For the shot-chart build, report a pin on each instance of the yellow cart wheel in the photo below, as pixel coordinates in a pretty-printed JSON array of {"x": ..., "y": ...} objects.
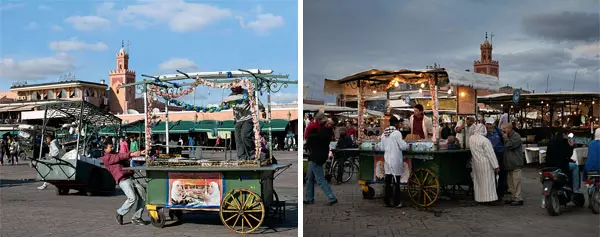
[
  {"x": 423, "y": 187},
  {"x": 159, "y": 219},
  {"x": 242, "y": 211}
]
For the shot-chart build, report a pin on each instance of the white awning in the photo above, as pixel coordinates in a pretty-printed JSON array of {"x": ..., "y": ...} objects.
[{"x": 39, "y": 114}]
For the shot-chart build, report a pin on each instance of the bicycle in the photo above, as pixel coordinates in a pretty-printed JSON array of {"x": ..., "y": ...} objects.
[
  {"x": 593, "y": 184},
  {"x": 349, "y": 167}
]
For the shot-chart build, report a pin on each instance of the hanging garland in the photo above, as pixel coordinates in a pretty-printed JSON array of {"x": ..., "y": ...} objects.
[
  {"x": 202, "y": 82},
  {"x": 208, "y": 108}
]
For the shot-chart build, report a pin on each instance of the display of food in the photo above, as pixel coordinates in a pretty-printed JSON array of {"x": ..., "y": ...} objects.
[{"x": 202, "y": 163}]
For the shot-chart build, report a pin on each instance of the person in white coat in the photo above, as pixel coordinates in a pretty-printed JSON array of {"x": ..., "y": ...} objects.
[
  {"x": 485, "y": 166},
  {"x": 464, "y": 130},
  {"x": 393, "y": 145}
]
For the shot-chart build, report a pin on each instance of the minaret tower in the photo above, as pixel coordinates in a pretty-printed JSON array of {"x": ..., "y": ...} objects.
[
  {"x": 121, "y": 98},
  {"x": 486, "y": 65}
]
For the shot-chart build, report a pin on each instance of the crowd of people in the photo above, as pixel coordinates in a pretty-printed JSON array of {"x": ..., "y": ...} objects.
[
  {"x": 497, "y": 154},
  {"x": 9, "y": 149}
]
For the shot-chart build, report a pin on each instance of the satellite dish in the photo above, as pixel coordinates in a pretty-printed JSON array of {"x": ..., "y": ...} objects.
[
  {"x": 156, "y": 110},
  {"x": 132, "y": 111}
]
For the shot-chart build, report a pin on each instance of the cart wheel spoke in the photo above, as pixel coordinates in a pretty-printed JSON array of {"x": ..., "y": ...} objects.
[
  {"x": 231, "y": 217},
  {"x": 247, "y": 221},
  {"x": 236, "y": 220},
  {"x": 253, "y": 217},
  {"x": 230, "y": 211}
]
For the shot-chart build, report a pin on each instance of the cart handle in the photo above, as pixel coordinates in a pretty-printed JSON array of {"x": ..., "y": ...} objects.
[{"x": 279, "y": 170}]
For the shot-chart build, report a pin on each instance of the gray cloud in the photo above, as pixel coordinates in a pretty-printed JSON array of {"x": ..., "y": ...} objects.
[
  {"x": 564, "y": 26},
  {"x": 342, "y": 39}
]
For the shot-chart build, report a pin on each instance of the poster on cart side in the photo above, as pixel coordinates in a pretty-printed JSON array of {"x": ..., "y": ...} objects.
[
  {"x": 406, "y": 168},
  {"x": 195, "y": 190},
  {"x": 379, "y": 171}
]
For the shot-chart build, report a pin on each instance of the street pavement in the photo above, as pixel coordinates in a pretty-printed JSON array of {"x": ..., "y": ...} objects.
[
  {"x": 27, "y": 211},
  {"x": 354, "y": 216}
]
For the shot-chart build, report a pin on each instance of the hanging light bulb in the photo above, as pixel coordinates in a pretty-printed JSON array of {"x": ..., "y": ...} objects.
[
  {"x": 547, "y": 105},
  {"x": 449, "y": 91},
  {"x": 374, "y": 91},
  {"x": 527, "y": 104},
  {"x": 542, "y": 102},
  {"x": 501, "y": 105},
  {"x": 422, "y": 85},
  {"x": 593, "y": 102},
  {"x": 511, "y": 106},
  {"x": 579, "y": 103},
  {"x": 421, "y": 91},
  {"x": 396, "y": 84}
]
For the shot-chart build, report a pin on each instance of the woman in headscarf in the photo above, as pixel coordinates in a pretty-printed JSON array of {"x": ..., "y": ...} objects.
[
  {"x": 177, "y": 193},
  {"x": 213, "y": 196},
  {"x": 484, "y": 165},
  {"x": 593, "y": 160}
]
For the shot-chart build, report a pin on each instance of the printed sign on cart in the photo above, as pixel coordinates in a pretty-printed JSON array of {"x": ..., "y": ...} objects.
[
  {"x": 195, "y": 190},
  {"x": 379, "y": 171}
]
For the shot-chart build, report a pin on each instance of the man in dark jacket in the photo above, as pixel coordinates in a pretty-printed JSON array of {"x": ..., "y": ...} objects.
[
  {"x": 559, "y": 154},
  {"x": 513, "y": 163},
  {"x": 318, "y": 146},
  {"x": 115, "y": 163}
]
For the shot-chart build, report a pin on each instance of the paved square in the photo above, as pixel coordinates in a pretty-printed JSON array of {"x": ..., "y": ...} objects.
[
  {"x": 27, "y": 211},
  {"x": 354, "y": 216}
]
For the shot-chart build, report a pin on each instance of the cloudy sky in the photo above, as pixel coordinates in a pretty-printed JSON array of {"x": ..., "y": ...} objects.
[
  {"x": 533, "y": 39},
  {"x": 42, "y": 40}
]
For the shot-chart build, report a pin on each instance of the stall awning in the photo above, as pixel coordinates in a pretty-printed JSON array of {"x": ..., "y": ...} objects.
[
  {"x": 376, "y": 77},
  {"x": 108, "y": 130},
  {"x": 227, "y": 126},
  {"x": 209, "y": 126},
  {"x": 175, "y": 127},
  {"x": 13, "y": 133},
  {"x": 277, "y": 125},
  {"x": 136, "y": 127}
]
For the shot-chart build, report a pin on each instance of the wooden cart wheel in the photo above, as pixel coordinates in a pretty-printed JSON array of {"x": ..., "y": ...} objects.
[
  {"x": 242, "y": 211},
  {"x": 160, "y": 222},
  {"x": 423, "y": 187}
]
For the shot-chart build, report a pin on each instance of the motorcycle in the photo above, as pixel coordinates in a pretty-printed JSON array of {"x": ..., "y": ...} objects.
[{"x": 557, "y": 191}]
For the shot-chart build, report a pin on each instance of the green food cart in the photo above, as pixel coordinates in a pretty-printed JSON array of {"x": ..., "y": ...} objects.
[
  {"x": 427, "y": 172},
  {"x": 243, "y": 195}
]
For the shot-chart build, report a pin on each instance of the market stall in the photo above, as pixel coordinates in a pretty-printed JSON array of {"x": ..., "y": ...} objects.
[
  {"x": 429, "y": 165},
  {"x": 538, "y": 116},
  {"x": 240, "y": 190},
  {"x": 79, "y": 166}
]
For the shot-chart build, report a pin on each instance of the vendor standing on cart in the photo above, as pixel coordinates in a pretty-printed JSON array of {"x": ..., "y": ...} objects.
[
  {"x": 420, "y": 124},
  {"x": 244, "y": 127},
  {"x": 115, "y": 163}
]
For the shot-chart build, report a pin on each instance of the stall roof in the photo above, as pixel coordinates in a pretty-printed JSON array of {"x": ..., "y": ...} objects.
[
  {"x": 277, "y": 125},
  {"x": 206, "y": 126},
  {"x": 89, "y": 113},
  {"x": 551, "y": 96},
  {"x": 227, "y": 126},
  {"x": 175, "y": 127},
  {"x": 445, "y": 77},
  {"x": 134, "y": 127},
  {"x": 327, "y": 108}
]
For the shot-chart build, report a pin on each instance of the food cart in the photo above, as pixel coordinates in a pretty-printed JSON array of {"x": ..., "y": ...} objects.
[
  {"x": 241, "y": 191},
  {"x": 79, "y": 167},
  {"x": 431, "y": 167}
]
